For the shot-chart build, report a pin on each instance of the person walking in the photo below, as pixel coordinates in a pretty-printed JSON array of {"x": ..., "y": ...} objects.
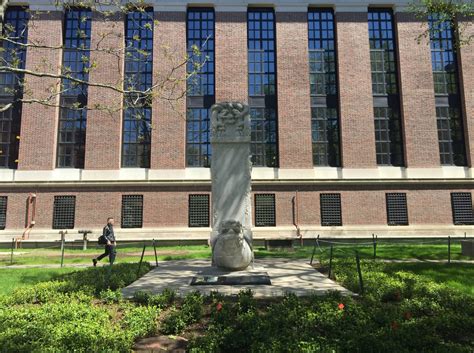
[{"x": 108, "y": 239}]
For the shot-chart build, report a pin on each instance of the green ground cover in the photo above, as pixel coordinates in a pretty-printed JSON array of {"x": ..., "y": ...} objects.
[{"x": 414, "y": 307}]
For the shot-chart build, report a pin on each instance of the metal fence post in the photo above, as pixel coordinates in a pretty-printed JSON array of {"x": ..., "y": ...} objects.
[
  {"x": 314, "y": 249},
  {"x": 374, "y": 239},
  {"x": 449, "y": 249},
  {"x": 11, "y": 257},
  {"x": 330, "y": 261},
  {"x": 156, "y": 256},
  {"x": 361, "y": 283},
  {"x": 62, "y": 249},
  {"x": 141, "y": 260}
]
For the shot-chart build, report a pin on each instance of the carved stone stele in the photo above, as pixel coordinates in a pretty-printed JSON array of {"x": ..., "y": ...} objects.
[{"x": 231, "y": 237}]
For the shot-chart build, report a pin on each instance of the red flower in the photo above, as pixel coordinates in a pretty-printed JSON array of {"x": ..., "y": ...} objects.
[
  {"x": 407, "y": 315},
  {"x": 219, "y": 306},
  {"x": 341, "y": 306},
  {"x": 394, "y": 325}
]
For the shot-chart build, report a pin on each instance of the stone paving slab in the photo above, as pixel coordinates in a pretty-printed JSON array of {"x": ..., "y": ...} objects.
[{"x": 287, "y": 276}]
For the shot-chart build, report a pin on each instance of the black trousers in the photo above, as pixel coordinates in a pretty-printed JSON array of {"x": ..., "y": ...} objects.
[{"x": 109, "y": 251}]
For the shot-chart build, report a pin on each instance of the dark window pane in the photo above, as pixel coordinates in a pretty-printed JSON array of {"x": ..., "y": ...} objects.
[
  {"x": 136, "y": 134},
  {"x": 452, "y": 150},
  {"x": 388, "y": 141},
  {"x": 262, "y": 85},
  {"x": 323, "y": 83},
  {"x": 15, "y": 28},
  {"x": 73, "y": 112},
  {"x": 200, "y": 42},
  {"x": 198, "y": 149}
]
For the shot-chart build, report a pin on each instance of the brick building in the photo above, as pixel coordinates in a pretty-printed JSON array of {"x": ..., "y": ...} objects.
[{"x": 356, "y": 128}]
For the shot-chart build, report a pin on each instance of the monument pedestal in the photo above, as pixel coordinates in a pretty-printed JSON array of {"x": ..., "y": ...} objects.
[{"x": 231, "y": 236}]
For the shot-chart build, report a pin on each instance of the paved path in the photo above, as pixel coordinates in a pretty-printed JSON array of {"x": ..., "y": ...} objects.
[{"x": 293, "y": 276}]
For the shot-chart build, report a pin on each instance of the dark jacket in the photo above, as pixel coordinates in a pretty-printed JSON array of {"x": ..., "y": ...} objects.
[{"x": 108, "y": 233}]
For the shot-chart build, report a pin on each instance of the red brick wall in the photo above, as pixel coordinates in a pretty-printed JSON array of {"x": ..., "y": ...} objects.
[
  {"x": 355, "y": 91},
  {"x": 417, "y": 94},
  {"x": 168, "y": 207},
  {"x": 467, "y": 87},
  {"x": 294, "y": 112},
  {"x": 104, "y": 127},
  {"x": 168, "y": 143},
  {"x": 38, "y": 124},
  {"x": 231, "y": 74}
]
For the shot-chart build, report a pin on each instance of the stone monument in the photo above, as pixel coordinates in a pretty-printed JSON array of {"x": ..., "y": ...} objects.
[{"x": 231, "y": 167}]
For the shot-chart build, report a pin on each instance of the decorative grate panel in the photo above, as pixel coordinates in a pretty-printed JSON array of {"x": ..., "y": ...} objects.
[
  {"x": 199, "y": 210},
  {"x": 64, "y": 212},
  {"x": 3, "y": 212},
  {"x": 265, "y": 210},
  {"x": 331, "y": 214},
  {"x": 461, "y": 203},
  {"x": 397, "y": 210},
  {"x": 132, "y": 211}
]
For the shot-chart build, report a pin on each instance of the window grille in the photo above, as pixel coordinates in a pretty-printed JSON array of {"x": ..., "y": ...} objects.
[
  {"x": 265, "y": 210},
  {"x": 397, "y": 211},
  {"x": 331, "y": 214},
  {"x": 199, "y": 210},
  {"x": 3, "y": 212},
  {"x": 64, "y": 212},
  {"x": 461, "y": 203},
  {"x": 132, "y": 211}
]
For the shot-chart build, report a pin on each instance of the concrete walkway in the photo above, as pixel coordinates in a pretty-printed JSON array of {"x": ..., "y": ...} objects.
[{"x": 287, "y": 276}]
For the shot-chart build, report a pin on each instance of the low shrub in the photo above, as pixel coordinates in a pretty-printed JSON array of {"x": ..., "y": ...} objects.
[
  {"x": 190, "y": 312},
  {"x": 111, "y": 296},
  {"x": 173, "y": 323},
  {"x": 163, "y": 300},
  {"x": 60, "y": 327},
  {"x": 140, "y": 321}
]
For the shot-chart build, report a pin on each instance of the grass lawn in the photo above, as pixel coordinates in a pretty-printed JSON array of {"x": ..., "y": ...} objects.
[
  {"x": 384, "y": 251},
  {"x": 457, "y": 276},
  {"x": 124, "y": 254},
  {"x": 15, "y": 278},
  {"x": 132, "y": 253}
]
